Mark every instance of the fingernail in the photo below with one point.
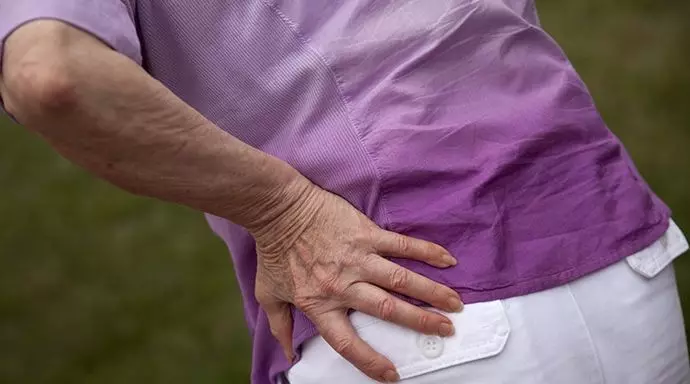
(391, 376)
(454, 304)
(446, 329)
(449, 260)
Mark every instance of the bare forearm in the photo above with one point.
(103, 112)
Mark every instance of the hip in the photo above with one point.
(622, 324)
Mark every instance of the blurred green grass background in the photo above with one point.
(97, 286)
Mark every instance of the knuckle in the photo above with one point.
(385, 308)
(305, 303)
(370, 364)
(343, 345)
(403, 244)
(300, 301)
(424, 320)
(355, 260)
(399, 278)
(330, 285)
(367, 235)
(435, 290)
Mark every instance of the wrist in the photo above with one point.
(289, 211)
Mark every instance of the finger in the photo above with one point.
(391, 276)
(280, 322)
(336, 329)
(394, 244)
(376, 302)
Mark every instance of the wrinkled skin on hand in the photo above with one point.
(325, 257)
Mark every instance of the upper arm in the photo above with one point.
(110, 21)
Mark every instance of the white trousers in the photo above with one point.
(620, 325)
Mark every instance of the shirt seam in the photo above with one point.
(337, 80)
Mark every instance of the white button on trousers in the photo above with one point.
(620, 325)
(430, 346)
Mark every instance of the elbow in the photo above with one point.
(38, 89)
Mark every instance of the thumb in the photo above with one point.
(280, 321)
